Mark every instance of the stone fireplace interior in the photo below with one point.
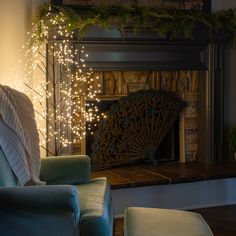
(181, 143)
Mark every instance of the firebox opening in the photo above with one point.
(168, 150)
(183, 136)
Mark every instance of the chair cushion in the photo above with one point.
(163, 222)
(6, 175)
(96, 217)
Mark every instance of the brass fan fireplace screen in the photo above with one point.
(134, 128)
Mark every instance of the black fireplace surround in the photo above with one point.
(109, 51)
(115, 51)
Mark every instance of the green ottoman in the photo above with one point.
(164, 222)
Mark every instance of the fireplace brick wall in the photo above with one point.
(185, 84)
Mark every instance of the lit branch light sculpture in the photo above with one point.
(60, 97)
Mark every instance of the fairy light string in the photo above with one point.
(62, 95)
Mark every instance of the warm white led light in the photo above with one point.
(62, 101)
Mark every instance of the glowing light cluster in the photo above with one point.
(62, 95)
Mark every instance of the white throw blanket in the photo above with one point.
(19, 137)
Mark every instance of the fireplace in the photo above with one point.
(192, 69)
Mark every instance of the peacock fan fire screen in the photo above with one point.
(149, 116)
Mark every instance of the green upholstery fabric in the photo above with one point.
(96, 217)
(56, 209)
(38, 223)
(95, 208)
(164, 222)
(47, 210)
(65, 169)
(57, 197)
(6, 176)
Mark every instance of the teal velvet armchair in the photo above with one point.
(70, 204)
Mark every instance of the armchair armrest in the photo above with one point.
(34, 198)
(65, 169)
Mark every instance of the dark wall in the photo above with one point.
(230, 80)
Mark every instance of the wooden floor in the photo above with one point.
(148, 174)
(222, 220)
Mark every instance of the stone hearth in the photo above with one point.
(167, 173)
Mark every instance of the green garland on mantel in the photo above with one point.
(163, 22)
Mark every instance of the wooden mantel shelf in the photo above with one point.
(147, 174)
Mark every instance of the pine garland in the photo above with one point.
(164, 22)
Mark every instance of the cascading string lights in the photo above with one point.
(61, 98)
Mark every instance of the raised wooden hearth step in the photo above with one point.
(147, 174)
